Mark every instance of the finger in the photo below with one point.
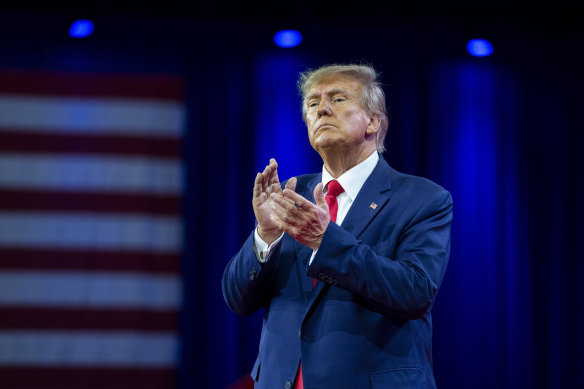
(297, 198)
(273, 179)
(276, 179)
(257, 186)
(291, 184)
(285, 212)
(266, 176)
(319, 197)
(284, 202)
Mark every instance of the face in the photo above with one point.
(336, 119)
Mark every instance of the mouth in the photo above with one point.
(323, 125)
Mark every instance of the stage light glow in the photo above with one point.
(81, 28)
(479, 47)
(288, 38)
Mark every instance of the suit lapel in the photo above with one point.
(371, 199)
(303, 252)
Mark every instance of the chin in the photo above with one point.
(322, 144)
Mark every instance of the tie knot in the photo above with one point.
(334, 188)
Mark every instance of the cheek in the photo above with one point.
(310, 122)
(357, 118)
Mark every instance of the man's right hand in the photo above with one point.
(265, 184)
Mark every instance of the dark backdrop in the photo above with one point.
(502, 133)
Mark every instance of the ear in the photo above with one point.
(374, 125)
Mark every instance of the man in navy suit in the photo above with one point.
(347, 262)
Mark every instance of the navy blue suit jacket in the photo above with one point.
(367, 324)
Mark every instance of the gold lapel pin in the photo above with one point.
(373, 206)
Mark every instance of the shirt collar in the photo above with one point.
(353, 179)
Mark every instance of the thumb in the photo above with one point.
(319, 197)
(291, 184)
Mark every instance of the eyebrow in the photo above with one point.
(331, 92)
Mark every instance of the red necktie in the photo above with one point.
(333, 190)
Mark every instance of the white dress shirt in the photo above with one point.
(352, 181)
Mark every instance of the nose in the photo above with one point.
(324, 108)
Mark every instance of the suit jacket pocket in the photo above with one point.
(406, 378)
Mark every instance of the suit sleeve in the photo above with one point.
(246, 282)
(405, 284)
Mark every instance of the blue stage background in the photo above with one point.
(503, 134)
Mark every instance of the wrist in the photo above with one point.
(269, 235)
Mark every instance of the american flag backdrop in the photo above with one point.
(91, 178)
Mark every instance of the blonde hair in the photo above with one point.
(372, 95)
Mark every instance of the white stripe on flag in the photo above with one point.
(92, 115)
(119, 349)
(96, 173)
(91, 230)
(90, 290)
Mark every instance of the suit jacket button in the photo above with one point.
(288, 385)
(334, 282)
(252, 273)
(299, 334)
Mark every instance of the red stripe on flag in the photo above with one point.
(41, 318)
(27, 377)
(46, 200)
(34, 195)
(101, 260)
(92, 84)
(64, 142)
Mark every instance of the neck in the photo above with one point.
(338, 163)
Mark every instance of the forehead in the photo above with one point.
(333, 84)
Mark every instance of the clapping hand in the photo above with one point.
(266, 184)
(280, 211)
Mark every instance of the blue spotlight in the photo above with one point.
(288, 38)
(81, 28)
(479, 47)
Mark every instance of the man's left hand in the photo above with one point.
(304, 221)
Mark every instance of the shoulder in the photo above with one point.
(419, 198)
(416, 188)
(416, 183)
